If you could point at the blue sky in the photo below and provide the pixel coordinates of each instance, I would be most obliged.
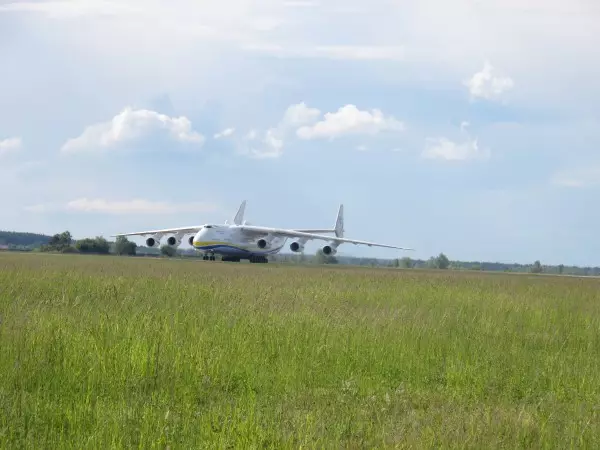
(464, 127)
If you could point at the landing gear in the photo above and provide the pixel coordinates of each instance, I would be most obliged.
(230, 259)
(210, 257)
(258, 259)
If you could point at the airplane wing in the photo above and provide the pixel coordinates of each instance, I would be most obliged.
(184, 230)
(308, 236)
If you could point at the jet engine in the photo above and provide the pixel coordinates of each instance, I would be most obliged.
(263, 243)
(152, 242)
(296, 247)
(173, 241)
(329, 250)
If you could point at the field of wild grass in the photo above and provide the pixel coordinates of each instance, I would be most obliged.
(105, 352)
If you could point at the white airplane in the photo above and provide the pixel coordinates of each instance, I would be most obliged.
(241, 240)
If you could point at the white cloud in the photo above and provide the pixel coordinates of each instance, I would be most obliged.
(273, 145)
(273, 141)
(349, 120)
(124, 207)
(301, 121)
(446, 149)
(297, 115)
(485, 84)
(130, 126)
(225, 133)
(10, 145)
(269, 146)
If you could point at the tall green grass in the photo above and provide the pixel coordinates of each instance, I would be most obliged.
(99, 352)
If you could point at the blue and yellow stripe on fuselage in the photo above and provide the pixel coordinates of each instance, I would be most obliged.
(228, 248)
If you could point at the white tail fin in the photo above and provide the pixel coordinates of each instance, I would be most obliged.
(239, 217)
(339, 223)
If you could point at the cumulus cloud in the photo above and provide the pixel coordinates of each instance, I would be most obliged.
(10, 145)
(487, 84)
(271, 144)
(302, 121)
(130, 126)
(349, 120)
(297, 115)
(445, 149)
(225, 133)
(121, 207)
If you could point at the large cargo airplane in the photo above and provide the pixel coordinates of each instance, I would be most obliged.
(241, 240)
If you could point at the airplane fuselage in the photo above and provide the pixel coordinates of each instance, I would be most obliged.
(227, 241)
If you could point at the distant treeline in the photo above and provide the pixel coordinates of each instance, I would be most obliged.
(16, 239)
(64, 243)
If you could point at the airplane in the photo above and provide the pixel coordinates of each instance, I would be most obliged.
(241, 240)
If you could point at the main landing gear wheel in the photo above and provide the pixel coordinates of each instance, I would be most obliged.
(230, 259)
(210, 257)
(259, 259)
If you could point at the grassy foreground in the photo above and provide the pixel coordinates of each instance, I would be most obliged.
(103, 352)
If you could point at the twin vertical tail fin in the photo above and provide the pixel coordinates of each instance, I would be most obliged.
(239, 217)
(339, 223)
(338, 229)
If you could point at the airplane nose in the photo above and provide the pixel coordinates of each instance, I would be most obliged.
(196, 239)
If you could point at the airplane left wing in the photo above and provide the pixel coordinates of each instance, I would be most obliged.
(249, 229)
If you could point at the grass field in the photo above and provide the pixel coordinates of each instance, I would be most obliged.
(110, 352)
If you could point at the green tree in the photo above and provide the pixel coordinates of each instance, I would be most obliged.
(59, 242)
(406, 263)
(26, 240)
(537, 267)
(124, 246)
(97, 245)
(561, 268)
(442, 261)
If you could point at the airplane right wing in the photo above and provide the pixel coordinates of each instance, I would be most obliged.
(310, 236)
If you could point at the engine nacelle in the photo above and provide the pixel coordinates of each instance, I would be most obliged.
(152, 242)
(329, 250)
(296, 247)
(173, 241)
(263, 243)
(191, 240)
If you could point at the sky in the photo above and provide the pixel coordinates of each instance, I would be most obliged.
(468, 127)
